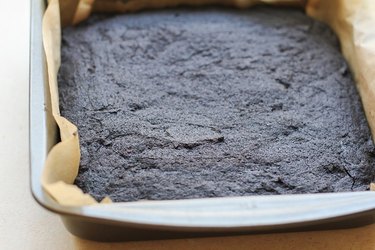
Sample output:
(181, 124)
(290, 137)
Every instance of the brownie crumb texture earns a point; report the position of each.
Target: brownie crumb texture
(187, 103)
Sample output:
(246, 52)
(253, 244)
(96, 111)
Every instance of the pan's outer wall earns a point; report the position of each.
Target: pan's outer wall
(97, 230)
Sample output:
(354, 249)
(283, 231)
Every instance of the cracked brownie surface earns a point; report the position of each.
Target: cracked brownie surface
(186, 103)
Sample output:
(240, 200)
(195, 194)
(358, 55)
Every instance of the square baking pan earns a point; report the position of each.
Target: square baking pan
(146, 220)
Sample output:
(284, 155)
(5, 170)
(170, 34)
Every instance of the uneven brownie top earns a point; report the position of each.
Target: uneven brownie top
(188, 103)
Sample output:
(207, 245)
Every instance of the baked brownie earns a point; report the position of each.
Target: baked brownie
(187, 103)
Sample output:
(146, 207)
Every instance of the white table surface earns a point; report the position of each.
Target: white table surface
(25, 225)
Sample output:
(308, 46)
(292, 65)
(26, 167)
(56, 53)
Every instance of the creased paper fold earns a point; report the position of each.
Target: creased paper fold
(352, 20)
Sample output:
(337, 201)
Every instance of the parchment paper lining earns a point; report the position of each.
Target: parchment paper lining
(352, 20)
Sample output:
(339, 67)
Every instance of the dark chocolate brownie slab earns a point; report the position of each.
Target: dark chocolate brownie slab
(188, 103)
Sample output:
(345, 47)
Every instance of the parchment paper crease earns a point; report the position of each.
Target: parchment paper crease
(352, 20)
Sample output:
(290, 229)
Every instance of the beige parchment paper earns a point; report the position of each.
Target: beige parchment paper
(352, 20)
